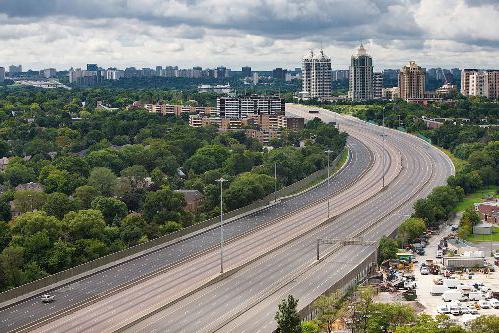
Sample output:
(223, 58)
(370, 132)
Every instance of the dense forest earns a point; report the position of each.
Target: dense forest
(79, 182)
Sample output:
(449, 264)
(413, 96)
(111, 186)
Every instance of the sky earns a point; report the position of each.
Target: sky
(263, 34)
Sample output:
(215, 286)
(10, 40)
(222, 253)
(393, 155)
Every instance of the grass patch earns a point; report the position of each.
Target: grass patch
(494, 237)
(458, 163)
(347, 109)
(470, 199)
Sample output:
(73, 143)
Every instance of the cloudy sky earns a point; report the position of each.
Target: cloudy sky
(261, 33)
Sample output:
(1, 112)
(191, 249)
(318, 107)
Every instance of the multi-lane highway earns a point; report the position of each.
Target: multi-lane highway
(101, 284)
(272, 254)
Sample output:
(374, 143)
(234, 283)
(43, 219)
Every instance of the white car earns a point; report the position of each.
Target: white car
(484, 304)
(424, 271)
(494, 303)
(47, 298)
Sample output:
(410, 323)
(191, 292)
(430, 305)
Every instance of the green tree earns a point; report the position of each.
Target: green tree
(309, 326)
(247, 188)
(410, 230)
(387, 249)
(287, 317)
(112, 209)
(84, 224)
(102, 179)
(163, 205)
(485, 324)
(29, 200)
(58, 204)
(329, 308)
(17, 173)
(84, 195)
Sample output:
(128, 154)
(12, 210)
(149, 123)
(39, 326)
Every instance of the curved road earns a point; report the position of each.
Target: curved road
(67, 297)
(247, 301)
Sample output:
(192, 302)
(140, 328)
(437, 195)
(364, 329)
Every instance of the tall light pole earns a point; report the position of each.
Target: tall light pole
(221, 181)
(275, 182)
(383, 153)
(328, 152)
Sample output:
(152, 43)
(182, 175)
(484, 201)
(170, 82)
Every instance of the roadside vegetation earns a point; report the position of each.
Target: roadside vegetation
(357, 311)
(78, 182)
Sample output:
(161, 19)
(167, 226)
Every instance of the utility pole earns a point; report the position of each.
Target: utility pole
(328, 152)
(383, 153)
(275, 182)
(221, 180)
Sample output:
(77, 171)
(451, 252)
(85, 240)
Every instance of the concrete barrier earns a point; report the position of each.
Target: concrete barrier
(19, 294)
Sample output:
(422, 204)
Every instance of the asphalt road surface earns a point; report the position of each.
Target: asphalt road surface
(67, 297)
(247, 301)
(278, 259)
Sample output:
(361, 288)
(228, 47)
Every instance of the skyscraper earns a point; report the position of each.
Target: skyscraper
(13, 69)
(412, 81)
(2, 74)
(316, 74)
(246, 71)
(361, 76)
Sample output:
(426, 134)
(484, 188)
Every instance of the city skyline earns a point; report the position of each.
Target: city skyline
(263, 35)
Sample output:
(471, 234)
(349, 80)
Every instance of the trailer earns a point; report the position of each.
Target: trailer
(463, 262)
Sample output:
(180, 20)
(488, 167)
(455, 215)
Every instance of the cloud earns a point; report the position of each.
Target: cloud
(270, 33)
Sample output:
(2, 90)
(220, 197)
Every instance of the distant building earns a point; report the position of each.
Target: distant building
(92, 67)
(193, 199)
(240, 107)
(221, 72)
(2, 74)
(339, 75)
(483, 83)
(175, 110)
(13, 69)
(391, 93)
(361, 76)
(412, 82)
(217, 89)
(279, 74)
(114, 74)
(378, 85)
(246, 71)
(316, 76)
(446, 90)
(30, 186)
(255, 78)
(49, 73)
(488, 211)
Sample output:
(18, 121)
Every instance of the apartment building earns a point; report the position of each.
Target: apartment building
(245, 106)
(483, 83)
(412, 82)
(316, 75)
(361, 76)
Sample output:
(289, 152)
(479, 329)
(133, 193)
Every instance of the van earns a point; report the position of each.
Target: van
(455, 309)
(443, 309)
(476, 296)
(439, 253)
(438, 290)
(453, 295)
(451, 283)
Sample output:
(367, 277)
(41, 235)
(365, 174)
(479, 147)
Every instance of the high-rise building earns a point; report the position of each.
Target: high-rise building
(340, 74)
(246, 71)
(378, 85)
(159, 69)
(2, 74)
(412, 81)
(316, 75)
(13, 69)
(49, 73)
(361, 76)
(221, 72)
(476, 82)
(279, 74)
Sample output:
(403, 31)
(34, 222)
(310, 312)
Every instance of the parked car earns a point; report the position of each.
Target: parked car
(472, 309)
(494, 303)
(484, 304)
(439, 253)
(47, 298)
(443, 309)
(424, 270)
(455, 309)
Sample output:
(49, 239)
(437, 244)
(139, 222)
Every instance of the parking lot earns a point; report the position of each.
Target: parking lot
(425, 283)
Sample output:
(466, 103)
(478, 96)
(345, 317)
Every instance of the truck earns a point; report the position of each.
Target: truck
(451, 283)
(438, 290)
(452, 295)
(476, 296)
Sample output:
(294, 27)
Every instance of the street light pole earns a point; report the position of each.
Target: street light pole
(275, 182)
(383, 153)
(328, 152)
(221, 181)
